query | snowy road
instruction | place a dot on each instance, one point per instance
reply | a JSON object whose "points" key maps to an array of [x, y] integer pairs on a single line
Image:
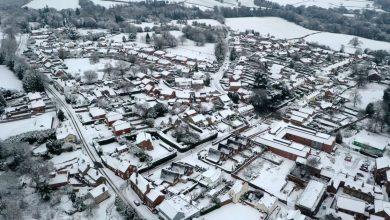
{"points": [[143, 212], [219, 75]]}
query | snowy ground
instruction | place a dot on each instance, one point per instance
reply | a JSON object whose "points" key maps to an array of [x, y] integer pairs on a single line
{"points": [[334, 41], [233, 212], [274, 26], [41, 122], [372, 92], [77, 66], [283, 29], [350, 4], [268, 176], [8, 79], [190, 50]]}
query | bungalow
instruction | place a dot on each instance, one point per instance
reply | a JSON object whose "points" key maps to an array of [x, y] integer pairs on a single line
{"points": [[177, 208], [144, 141], [99, 193], [97, 113], [38, 106]]}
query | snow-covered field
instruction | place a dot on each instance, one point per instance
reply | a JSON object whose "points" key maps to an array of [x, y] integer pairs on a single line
{"points": [[77, 66], [190, 50], [372, 92], [334, 41], [274, 26], [233, 212], [283, 29], [8, 79], [209, 4], [65, 4], [41, 122], [350, 4]]}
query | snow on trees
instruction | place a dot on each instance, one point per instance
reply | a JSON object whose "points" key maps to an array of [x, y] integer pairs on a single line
{"points": [[90, 76], [33, 82]]}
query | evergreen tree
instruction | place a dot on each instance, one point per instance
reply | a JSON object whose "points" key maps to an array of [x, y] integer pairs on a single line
{"points": [[147, 38], [233, 54], [370, 108], [339, 138], [3, 103], [60, 115], [33, 82], [196, 68]]}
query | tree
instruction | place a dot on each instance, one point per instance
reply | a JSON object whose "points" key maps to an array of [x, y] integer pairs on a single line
{"points": [[233, 54], [339, 138], [124, 39], [220, 51], [182, 39], [386, 95], [356, 98], [90, 76], [355, 42], [94, 58], [259, 99], [234, 97], [60, 115], [62, 53], [196, 68], [370, 110], [207, 80], [108, 69], [33, 82], [122, 67], [147, 38], [342, 48], [38, 170]]}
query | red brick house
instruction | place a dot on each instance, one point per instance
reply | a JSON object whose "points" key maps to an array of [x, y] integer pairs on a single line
{"points": [[112, 117], [145, 191], [97, 113], [38, 106], [123, 169], [144, 141], [121, 127]]}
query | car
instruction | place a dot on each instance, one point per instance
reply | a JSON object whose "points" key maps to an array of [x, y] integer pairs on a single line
{"points": [[348, 158], [137, 203], [360, 174]]}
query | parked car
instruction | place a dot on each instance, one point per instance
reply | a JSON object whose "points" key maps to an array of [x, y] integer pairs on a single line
{"points": [[137, 203]]}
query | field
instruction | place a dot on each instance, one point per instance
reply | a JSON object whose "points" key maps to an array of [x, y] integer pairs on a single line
{"points": [[372, 92], [283, 29], [274, 26], [9, 80], [41, 122], [349, 4]]}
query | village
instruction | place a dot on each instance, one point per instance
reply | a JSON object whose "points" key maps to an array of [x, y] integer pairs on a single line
{"points": [[278, 130]]}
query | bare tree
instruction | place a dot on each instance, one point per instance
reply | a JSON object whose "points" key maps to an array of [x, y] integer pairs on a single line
{"points": [[90, 76], [356, 98], [94, 58], [122, 67], [108, 69]]}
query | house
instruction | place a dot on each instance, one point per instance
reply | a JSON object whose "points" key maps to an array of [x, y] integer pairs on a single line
{"points": [[121, 127], [309, 201], [382, 209], [122, 168], [351, 206], [183, 82], [112, 117], [144, 141], [182, 168], [58, 181], [211, 178], [169, 176], [176, 208], [382, 165], [33, 96], [234, 86], [38, 106], [97, 113], [99, 193], [66, 133], [267, 203], [143, 188], [238, 189]]}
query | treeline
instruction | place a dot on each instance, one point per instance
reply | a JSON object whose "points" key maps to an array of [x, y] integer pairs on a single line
{"points": [[384, 4], [32, 80]]}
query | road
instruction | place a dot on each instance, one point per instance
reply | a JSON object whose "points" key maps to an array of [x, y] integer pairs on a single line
{"points": [[224, 67], [142, 211]]}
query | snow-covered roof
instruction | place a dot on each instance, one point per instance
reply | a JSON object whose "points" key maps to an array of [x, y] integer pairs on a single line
{"points": [[381, 205], [267, 200], [382, 162], [121, 125], [143, 136], [113, 116], [312, 195], [173, 206], [34, 96], [96, 111], [97, 191], [37, 103], [349, 204]]}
